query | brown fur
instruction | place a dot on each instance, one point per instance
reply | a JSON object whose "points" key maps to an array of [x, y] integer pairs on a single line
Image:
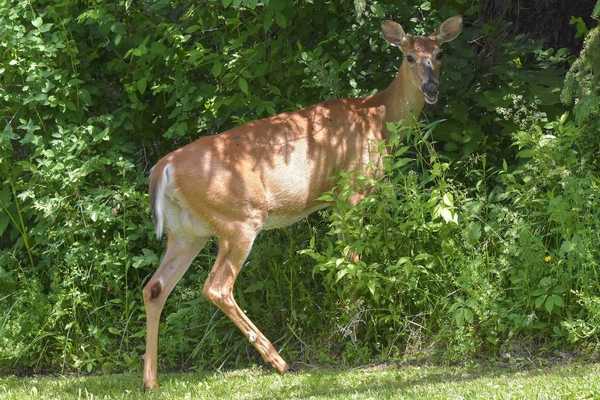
{"points": [[277, 165]]}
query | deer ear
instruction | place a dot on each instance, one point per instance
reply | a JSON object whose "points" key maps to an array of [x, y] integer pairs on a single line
{"points": [[393, 33], [449, 29]]}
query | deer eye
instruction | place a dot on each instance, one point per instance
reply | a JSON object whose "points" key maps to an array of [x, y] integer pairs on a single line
{"points": [[439, 56], [410, 58]]}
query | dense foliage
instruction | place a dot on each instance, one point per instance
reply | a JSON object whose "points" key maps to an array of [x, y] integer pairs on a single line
{"points": [[483, 237]]}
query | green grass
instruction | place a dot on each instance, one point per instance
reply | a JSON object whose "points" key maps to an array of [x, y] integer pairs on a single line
{"points": [[570, 381]]}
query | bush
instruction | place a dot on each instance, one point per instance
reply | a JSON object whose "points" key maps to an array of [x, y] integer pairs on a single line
{"points": [[481, 234]]}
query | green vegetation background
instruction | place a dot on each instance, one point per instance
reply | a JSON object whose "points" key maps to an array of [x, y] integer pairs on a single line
{"points": [[483, 239]]}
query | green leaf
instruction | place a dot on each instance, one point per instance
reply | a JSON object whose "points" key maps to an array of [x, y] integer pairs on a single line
{"points": [[113, 330], [281, 20], [139, 334], [243, 85], [463, 315], [448, 199], [4, 220], [580, 26], [459, 318], [341, 273], [216, 69], [553, 301], [402, 162], [149, 258], [468, 315], [37, 22], [193, 28], [473, 232], [327, 197], [5, 197], [546, 282], [255, 287], [446, 214], [525, 153], [371, 285], [425, 6], [45, 27], [139, 51], [539, 301], [141, 85]]}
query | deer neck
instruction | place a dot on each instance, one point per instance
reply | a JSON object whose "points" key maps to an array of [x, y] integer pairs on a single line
{"points": [[401, 98]]}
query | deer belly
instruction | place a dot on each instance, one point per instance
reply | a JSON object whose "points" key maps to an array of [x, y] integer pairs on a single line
{"points": [[280, 220]]}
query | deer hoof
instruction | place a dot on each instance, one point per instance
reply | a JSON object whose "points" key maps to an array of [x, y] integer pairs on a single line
{"points": [[280, 366], [151, 385]]}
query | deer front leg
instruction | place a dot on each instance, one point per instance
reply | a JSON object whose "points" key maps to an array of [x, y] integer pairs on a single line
{"points": [[218, 288]]}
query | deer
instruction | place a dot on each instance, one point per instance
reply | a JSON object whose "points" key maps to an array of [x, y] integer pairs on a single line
{"points": [[271, 173]]}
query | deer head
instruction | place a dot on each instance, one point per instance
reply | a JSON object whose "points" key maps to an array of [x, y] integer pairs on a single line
{"points": [[423, 54]]}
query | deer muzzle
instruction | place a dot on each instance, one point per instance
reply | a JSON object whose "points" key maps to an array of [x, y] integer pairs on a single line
{"points": [[430, 91]]}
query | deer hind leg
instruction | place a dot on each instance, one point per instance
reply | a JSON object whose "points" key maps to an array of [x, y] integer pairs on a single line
{"points": [[176, 261], [218, 288]]}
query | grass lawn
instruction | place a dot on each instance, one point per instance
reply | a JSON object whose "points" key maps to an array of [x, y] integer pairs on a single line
{"points": [[567, 381]]}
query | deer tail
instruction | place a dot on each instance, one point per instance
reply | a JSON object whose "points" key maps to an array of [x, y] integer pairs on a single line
{"points": [[160, 176]]}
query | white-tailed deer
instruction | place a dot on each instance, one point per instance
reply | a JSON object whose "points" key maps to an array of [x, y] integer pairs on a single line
{"points": [[270, 173]]}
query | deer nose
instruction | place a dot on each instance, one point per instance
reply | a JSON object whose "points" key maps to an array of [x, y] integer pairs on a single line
{"points": [[430, 88], [430, 91]]}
